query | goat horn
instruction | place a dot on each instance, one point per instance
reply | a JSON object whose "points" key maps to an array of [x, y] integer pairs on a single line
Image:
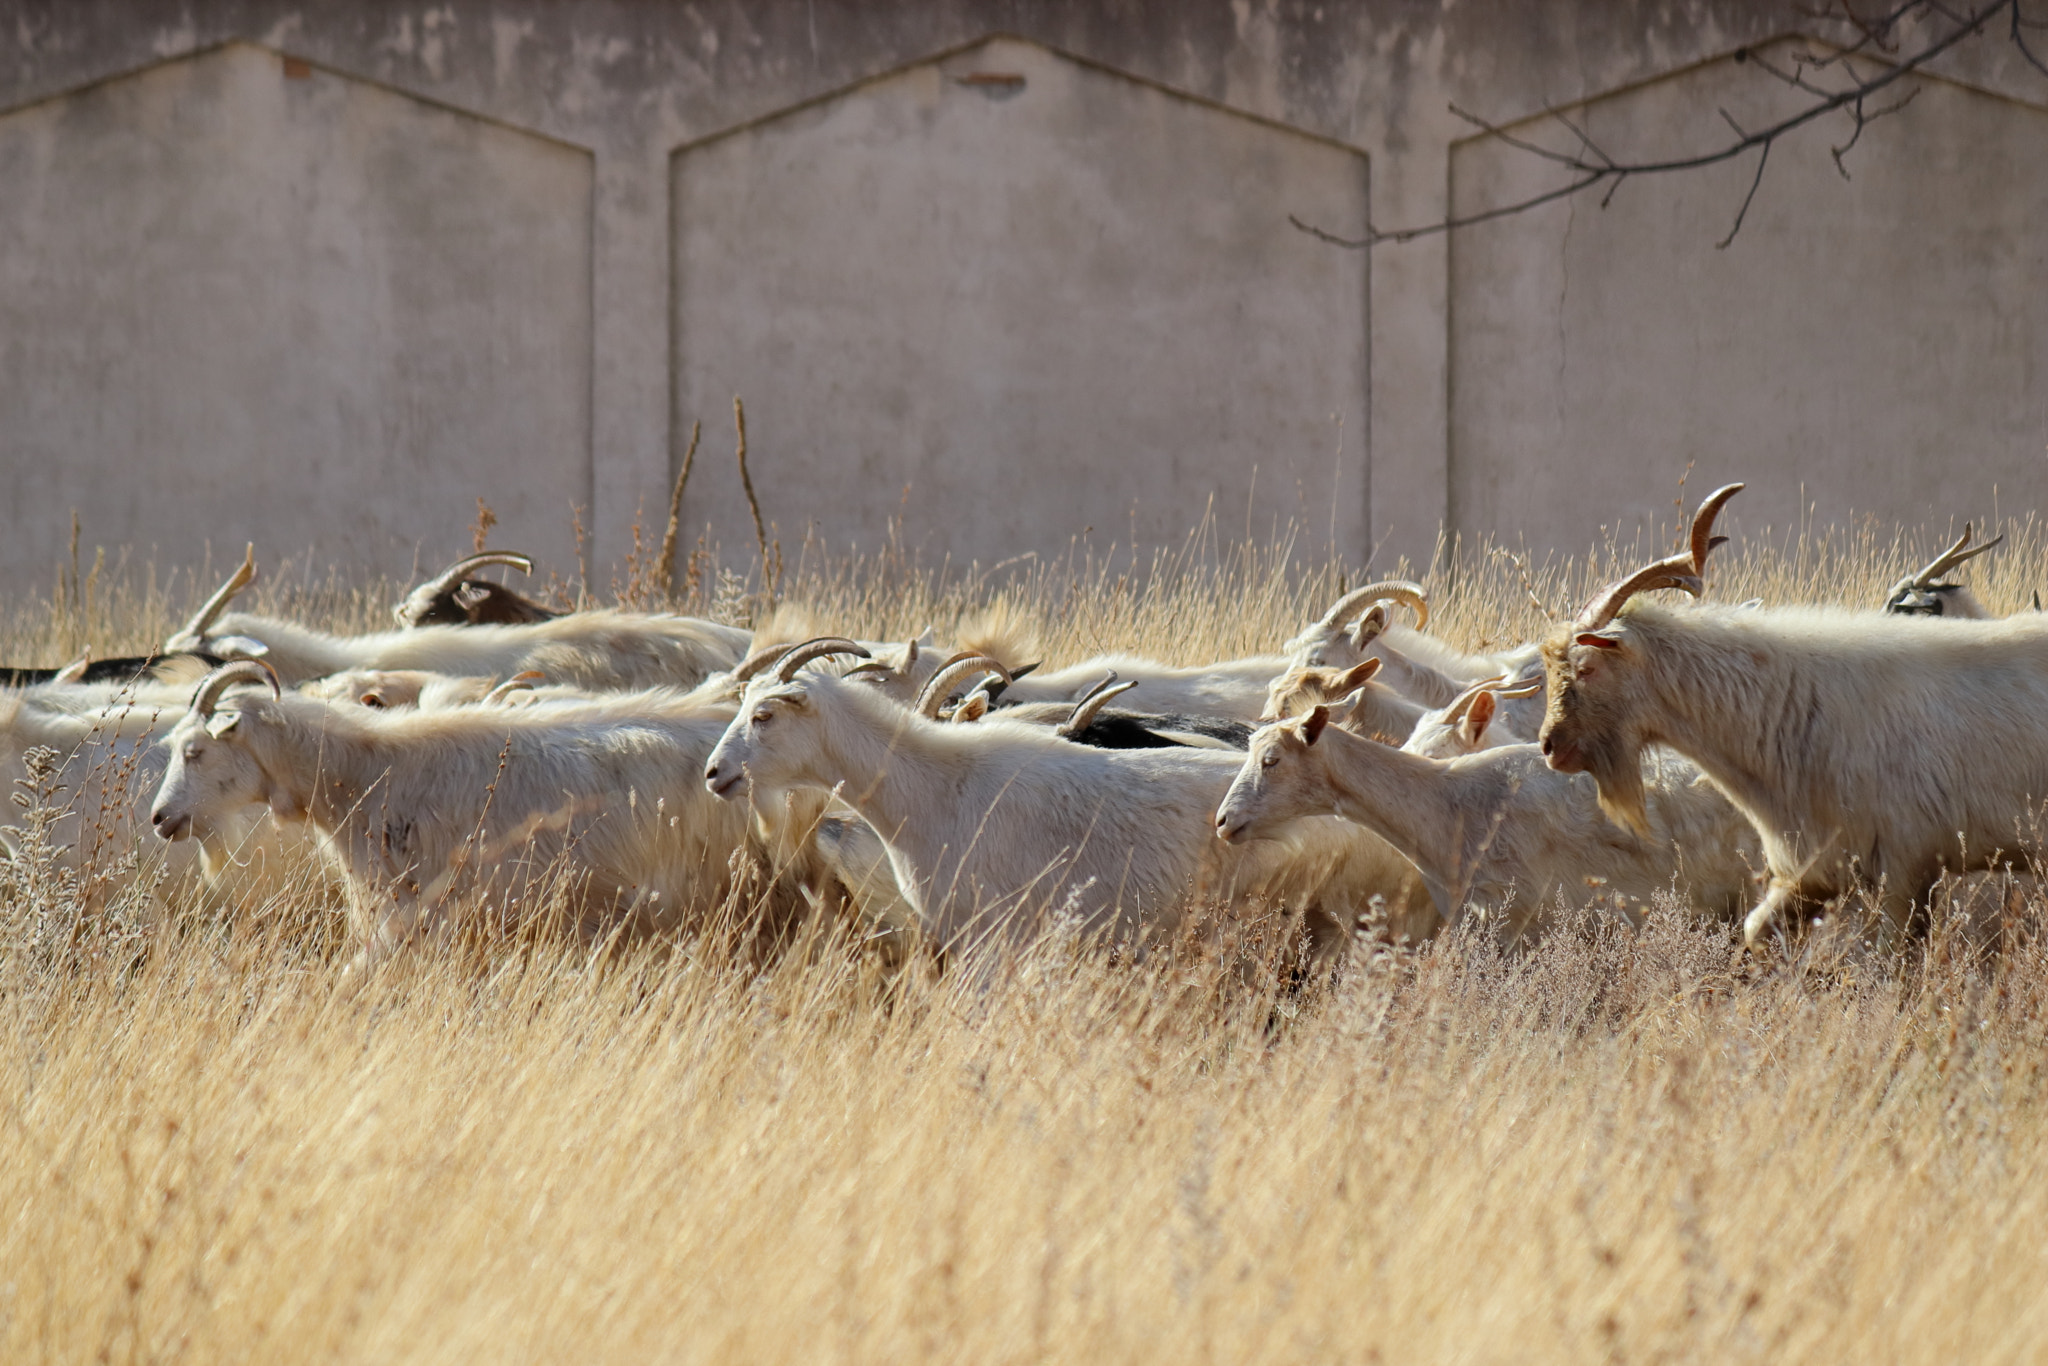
{"points": [[799, 655], [461, 569], [1462, 703], [933, 694], [1951, 557], [873, 666], [1682, 570], [215, 605], [207, 696], [1703, 539], [1409, 595], [1520, 690], [1083, 714], [1675, 571], [755, 662], [519, 682]]}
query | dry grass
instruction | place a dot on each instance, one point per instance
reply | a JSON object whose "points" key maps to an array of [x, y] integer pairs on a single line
{"points": [[1622, 1146]]}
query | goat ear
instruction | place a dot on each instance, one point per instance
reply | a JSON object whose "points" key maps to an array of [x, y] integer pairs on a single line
{"points": [[1369, 627], [222, 724], [1598, 639], [1357, 676], [1312, 724], [973, 709], [1477, 717]]}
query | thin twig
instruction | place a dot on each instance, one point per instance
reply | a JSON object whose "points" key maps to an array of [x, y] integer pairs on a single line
{"points": [[1763, 159], [666, 561], [739, 422], [1593, 171]]}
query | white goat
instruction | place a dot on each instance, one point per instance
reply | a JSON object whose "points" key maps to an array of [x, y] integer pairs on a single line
{"points": [[1487, 715], [985, 824], [1234, 689], [1869, 751], [1416, 665], [1922, 595], [597, 802], [1496, 828], [108, 766], [594, 650]]}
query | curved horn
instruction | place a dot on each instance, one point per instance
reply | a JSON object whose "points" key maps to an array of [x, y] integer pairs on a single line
{"points": [[1462, 703], [455, 573], [1520, 690], [519, 682], [817, 648], [755, 662], [1951, 557], [1703, 538], [1681, 571], [215, 605], [873, 666], [1083, 714], [1409, 595], [207, 696], [1675, 571], [936, 689]]}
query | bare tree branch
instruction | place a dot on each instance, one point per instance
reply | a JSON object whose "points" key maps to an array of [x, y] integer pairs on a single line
{"points": [[1592, 166], [1762, 160]]}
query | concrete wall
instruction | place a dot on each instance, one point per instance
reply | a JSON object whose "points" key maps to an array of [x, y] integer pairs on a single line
{"points": [[326, 274]]}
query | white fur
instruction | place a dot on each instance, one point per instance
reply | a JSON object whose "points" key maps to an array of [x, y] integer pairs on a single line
{"points": [[1868, 750], [1497, 829], [415, 805], [987, 824]]}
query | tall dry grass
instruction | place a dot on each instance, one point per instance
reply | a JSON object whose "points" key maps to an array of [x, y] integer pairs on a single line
{"points": [[1621, 1146]]}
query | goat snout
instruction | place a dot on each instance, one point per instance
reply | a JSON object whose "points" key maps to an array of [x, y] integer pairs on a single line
{"points": [[1562, 754], [167, 826], [720, 780]]}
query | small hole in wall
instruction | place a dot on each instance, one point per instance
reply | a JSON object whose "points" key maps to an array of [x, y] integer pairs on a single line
{"points": [[997, 85], [297, 68]]}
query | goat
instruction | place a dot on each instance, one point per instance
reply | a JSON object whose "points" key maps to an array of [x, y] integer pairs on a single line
{"points": [[596, 801], [1868, 750], [1090, 721], [984, 823], [1477, 720], [1375, 709], [1920, 595], [1232, 690], [108, 766], [1416, 665], [1497, 828], [121, 669], [452, 598], [590, 650]]}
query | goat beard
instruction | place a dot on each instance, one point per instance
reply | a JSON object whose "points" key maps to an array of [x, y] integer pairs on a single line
{"points": [[1617, 770]]}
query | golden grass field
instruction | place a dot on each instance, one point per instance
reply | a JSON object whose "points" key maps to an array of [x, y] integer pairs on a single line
{"points": [[1622, 1146]]}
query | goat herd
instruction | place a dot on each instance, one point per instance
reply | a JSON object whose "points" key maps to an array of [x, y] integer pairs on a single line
{"points": [[634, 771]]}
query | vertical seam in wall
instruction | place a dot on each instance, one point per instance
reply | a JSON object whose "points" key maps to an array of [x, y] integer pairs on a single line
{"points": [[1368, 467], [672, 271], [1448, 530], [590, 356]]}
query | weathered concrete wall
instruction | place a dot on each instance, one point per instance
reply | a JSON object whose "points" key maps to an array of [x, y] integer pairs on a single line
{"points": [[510, 248], [1006, 298], [238, 306], [1872, 344]]}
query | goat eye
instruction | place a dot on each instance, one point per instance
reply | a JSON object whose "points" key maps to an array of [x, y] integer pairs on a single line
{"points": [[762, 716], [1268, 760]]}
